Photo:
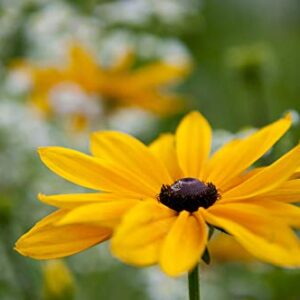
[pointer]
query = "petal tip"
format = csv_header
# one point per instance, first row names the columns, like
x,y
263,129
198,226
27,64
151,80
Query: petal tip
x,y
94,134
41,196
288,116
41,150
194,113
18,247
44,150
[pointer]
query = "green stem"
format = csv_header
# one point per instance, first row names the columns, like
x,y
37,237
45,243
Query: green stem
x,y
194,289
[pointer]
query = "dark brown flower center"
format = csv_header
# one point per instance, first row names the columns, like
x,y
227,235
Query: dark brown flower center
x,y
188,194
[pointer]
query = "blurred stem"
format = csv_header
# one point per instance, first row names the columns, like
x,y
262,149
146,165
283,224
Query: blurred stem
x,y
260,107
194,287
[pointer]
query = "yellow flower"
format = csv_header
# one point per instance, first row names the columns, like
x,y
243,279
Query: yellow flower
x,y
157,201
118,84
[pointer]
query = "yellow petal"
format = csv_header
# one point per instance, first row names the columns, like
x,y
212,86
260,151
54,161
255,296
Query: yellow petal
x,y
296,175
193,142
123,63
218,159
74,200
280,210
39,100
45,78
155,101
133,156
268,179
263,236
240,179
83,68
138,238
236,157
184,244
80,57
224,248
158,74
289,191
106,214
91,172
164,149
46,240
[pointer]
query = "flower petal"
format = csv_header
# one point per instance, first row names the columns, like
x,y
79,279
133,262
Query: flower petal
x,y
263,236
224,248
193,142
184,244
164,149
138,238
296,175
240,179
268,179
218,158
74,200
155,101
123,63
83,68
91,172
130,154
106,214
288,213
287,192
158,74
46,240
236,157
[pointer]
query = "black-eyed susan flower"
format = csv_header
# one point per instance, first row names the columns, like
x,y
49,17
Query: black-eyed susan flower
x,y
157,202
116,85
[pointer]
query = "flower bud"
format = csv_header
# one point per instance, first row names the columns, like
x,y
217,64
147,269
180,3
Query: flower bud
x,y
251,63
58,281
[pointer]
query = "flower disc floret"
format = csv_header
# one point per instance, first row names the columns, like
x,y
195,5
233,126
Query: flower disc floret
x,y
188,194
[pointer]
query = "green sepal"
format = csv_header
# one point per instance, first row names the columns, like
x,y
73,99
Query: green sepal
x,y
206,256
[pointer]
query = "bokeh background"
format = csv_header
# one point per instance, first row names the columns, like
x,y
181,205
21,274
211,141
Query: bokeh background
x,y
241,60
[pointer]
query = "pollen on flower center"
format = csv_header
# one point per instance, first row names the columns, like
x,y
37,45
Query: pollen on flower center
x,y
188,194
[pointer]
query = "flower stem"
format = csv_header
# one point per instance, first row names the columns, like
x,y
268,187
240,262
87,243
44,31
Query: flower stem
x,y
194,289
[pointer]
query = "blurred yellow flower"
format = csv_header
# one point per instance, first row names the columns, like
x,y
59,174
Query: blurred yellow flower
x,y
159,199
117,85
58,281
